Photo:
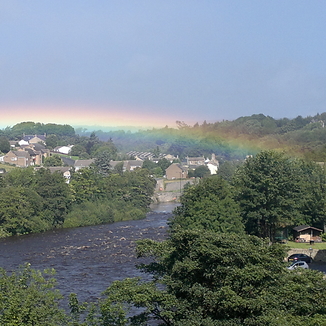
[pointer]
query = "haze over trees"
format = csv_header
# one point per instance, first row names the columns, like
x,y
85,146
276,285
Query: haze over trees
x,y
302,136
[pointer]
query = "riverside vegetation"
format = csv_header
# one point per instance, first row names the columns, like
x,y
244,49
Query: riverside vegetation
x,y
36,201
218,266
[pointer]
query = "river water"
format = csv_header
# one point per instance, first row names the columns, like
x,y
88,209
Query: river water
x,y
86,259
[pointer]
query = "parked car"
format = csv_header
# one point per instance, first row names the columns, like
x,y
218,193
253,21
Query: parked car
x,y
299,264
302,257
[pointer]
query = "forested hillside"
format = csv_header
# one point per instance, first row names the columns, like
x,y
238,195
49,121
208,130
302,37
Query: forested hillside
x,y
301,136
229,139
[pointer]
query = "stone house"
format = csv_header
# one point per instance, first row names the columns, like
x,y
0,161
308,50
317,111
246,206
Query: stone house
x,y
195,161
19,158
176,171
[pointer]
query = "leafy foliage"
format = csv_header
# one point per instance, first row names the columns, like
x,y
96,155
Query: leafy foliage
x,y
210,206
269,193
275,191
4,144
209,278
27,297
53,160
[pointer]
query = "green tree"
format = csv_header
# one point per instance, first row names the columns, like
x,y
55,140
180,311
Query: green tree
x,y
91,143
20,177
208,278
54,190
313,199
107,147
269,193
227,169
201,171
163,163
27,297
85,185
118,168
77,150
149,165
20,211
209,206
102,163
51,141
54,160
4,144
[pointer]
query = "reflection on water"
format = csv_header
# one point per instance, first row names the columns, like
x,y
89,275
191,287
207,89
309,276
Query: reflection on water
x,y
87,259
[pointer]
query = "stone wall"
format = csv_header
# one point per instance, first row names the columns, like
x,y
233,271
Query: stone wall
x,y
169,191
166,197
318,255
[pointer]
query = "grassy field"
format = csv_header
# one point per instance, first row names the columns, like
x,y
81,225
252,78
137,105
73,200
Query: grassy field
x,y
7,167
298,245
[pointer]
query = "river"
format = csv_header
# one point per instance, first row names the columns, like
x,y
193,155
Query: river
x,y
86,259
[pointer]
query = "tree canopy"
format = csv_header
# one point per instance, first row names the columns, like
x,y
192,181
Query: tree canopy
x,y
209,206
209,278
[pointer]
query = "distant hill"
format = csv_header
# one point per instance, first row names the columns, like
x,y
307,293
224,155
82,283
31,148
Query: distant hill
x,y
228,140
303,136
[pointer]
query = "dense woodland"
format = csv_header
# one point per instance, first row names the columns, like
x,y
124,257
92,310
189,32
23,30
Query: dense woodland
x,y
220,264
229,140
36,201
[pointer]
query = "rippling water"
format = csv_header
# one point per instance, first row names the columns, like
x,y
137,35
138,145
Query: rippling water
x,y
86,259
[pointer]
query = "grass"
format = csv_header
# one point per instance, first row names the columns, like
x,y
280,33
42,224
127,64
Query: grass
x,y
8,167
298,245
69,156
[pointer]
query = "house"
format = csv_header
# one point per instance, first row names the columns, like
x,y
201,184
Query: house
x,y
170,157
79,164
27,155
63,149
195,161
306,233
65,170
176,171
19,158
212,167
34,139
147,156
113,164
212,164
128,165
67,161
37,153
134,164
13,143
35,156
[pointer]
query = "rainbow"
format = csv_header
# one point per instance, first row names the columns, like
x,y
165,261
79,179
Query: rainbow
x,y
163,125
77,115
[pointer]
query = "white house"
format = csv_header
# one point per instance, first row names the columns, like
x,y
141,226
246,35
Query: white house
x,y
212,164
64,149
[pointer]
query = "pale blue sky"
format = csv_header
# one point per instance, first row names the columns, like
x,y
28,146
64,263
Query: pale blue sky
x,y
196,60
